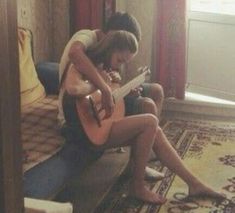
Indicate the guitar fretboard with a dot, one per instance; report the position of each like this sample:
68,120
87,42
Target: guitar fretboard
125,89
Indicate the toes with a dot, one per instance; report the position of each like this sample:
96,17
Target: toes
149,197
153,199
161,200
158,200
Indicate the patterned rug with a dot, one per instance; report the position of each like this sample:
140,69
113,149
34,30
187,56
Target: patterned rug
208,150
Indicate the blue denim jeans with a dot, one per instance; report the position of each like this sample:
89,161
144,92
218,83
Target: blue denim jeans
48,74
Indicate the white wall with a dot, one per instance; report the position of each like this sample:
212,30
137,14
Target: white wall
144,13
121,5
49,22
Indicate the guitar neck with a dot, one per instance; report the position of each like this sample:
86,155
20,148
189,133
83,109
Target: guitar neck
125,89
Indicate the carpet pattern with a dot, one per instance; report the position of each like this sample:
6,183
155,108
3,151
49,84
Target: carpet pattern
208,150
41,138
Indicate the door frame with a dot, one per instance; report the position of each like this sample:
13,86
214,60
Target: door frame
11,193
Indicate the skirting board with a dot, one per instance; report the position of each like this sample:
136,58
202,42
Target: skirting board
196,107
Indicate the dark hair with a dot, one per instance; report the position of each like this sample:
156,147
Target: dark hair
123,21
119,40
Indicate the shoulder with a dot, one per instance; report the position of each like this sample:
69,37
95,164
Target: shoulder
99,34
89,34
86,37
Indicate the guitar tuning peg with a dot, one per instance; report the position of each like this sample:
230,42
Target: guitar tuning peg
142,69
148,71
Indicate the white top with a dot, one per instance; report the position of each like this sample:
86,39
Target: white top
88,38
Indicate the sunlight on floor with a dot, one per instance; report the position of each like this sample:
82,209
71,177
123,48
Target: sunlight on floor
204,98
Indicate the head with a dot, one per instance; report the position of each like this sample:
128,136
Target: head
123,21
115,49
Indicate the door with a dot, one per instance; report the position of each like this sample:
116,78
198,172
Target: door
11,198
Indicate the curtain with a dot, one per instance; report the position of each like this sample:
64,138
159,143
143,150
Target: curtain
90,14
169,43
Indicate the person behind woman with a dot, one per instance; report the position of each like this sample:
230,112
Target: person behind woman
148,100
141,132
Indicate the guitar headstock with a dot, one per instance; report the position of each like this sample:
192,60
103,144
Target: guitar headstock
144,69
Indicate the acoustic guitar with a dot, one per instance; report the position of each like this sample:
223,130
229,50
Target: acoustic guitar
92,116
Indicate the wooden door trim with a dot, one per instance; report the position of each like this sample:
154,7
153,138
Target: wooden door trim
11,193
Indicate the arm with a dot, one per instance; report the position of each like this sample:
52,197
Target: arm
76,86
85,66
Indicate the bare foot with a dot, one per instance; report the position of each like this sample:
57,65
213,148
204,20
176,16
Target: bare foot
201,190
146,195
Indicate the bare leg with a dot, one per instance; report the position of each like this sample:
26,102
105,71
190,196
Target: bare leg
151,103
171,159
134,131
147,105
155,93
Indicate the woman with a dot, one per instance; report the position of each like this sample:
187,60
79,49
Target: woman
141,132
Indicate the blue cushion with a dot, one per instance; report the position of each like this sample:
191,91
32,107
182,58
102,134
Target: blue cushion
45,180
48,74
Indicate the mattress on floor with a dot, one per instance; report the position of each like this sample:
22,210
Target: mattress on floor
48,161
40,133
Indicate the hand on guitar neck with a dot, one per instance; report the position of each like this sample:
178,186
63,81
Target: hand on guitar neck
136,92
94,120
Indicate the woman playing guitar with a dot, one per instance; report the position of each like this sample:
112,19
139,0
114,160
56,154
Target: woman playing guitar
141,132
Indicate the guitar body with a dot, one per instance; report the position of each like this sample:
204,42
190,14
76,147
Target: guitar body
91,117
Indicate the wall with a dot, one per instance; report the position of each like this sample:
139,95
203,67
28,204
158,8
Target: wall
121,5
49,22
144,13
61,26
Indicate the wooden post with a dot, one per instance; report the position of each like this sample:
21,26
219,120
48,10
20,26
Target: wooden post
11,195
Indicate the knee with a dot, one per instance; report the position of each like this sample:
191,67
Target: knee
150,127
159,132
147,105
151,121
157,91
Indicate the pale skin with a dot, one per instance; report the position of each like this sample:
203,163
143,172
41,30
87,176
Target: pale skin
142,133
151,104
81,62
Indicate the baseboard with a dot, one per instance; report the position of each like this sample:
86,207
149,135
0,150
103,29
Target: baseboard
197,107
